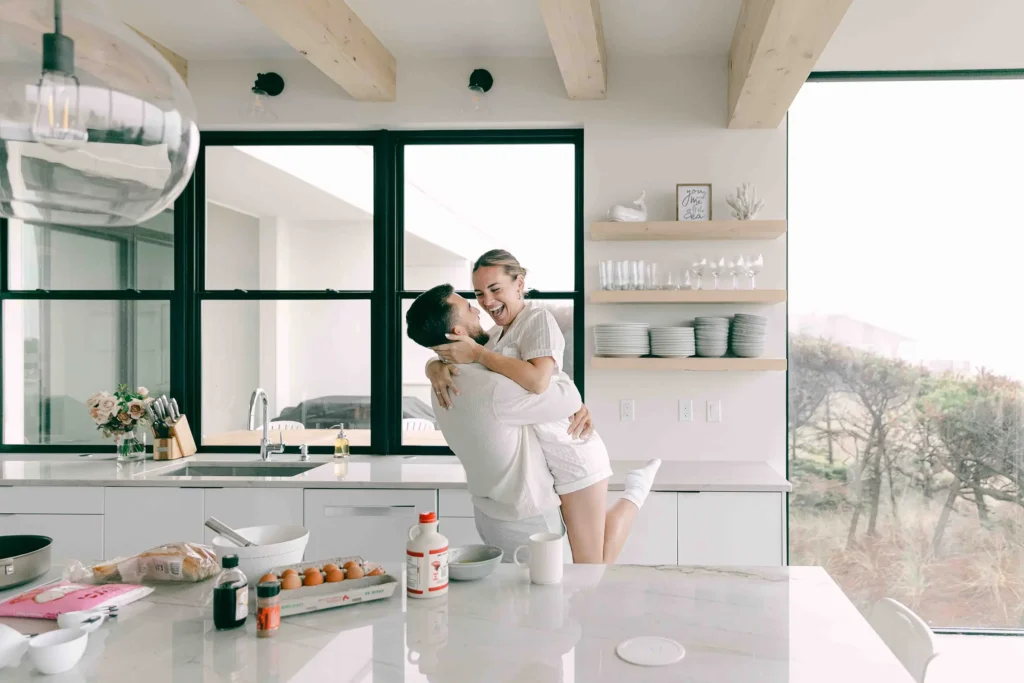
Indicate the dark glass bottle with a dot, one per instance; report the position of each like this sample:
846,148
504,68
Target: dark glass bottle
230,595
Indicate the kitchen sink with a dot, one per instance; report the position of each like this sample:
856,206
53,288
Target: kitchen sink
264,469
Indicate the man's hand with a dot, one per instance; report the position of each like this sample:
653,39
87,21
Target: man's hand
462,349
580,424
441,382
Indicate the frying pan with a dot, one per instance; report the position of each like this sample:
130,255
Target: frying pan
23,558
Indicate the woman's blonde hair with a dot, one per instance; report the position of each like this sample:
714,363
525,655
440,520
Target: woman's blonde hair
500,257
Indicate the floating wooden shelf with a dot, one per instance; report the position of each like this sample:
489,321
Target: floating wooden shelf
690,296
688,230
690,364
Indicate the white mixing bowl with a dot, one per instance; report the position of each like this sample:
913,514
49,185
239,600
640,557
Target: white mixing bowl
57,651
276,545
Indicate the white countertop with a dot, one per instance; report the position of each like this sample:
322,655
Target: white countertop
410,472
777,625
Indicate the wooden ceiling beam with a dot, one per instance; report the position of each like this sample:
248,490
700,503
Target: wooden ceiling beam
574,27
774,48
330,35
177,62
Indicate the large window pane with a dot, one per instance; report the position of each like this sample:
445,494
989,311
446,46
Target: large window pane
417,409
463,200
906,412
289,217
311,357
64,257
58,353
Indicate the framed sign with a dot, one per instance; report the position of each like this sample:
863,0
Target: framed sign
693,202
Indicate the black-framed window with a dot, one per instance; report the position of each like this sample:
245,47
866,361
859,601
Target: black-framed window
287,264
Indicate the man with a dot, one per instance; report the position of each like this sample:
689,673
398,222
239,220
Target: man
512,488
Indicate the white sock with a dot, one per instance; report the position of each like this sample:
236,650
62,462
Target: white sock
639,483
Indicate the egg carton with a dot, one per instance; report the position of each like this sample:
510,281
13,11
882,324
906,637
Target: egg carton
331,595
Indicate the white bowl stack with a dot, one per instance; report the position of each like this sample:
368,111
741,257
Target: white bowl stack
747,335
622,340
673,342
712,336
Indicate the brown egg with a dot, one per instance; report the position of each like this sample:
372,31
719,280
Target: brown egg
330,566
313,579
289,572
335,575
267,577
376,571
291,581
353,571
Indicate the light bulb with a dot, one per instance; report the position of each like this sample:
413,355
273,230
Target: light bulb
257,109
58,121
477,100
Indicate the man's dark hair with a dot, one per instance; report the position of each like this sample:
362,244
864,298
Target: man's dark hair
430,317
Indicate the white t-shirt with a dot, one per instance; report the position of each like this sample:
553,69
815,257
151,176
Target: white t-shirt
533,334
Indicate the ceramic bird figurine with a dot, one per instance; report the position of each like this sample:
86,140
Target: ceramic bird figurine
623,214
745,203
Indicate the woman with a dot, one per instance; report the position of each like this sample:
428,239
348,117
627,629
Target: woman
527,346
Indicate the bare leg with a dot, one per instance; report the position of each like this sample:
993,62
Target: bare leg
584,514
618,524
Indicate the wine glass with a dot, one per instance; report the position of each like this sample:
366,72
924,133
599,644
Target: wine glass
699,266
716,268
737,268
754,266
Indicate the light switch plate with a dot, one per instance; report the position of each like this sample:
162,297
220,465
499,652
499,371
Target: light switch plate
685,410
714,411
627,410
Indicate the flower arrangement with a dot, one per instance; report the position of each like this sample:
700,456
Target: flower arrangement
745,204
120,414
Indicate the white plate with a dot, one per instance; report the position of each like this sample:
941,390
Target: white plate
650,651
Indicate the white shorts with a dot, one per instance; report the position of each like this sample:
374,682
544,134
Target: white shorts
574,464
510,535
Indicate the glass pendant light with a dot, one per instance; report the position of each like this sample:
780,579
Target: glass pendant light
96,128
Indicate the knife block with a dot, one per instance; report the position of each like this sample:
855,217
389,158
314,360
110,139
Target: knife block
166,449
182,435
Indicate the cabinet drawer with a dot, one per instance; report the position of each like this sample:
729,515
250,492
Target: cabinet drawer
75,537
373,523
739,529
460,531
241,507
140,518
454,503
52,500
652,539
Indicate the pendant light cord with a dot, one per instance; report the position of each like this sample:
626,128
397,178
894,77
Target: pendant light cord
58,19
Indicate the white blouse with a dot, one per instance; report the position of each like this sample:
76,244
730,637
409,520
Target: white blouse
533,334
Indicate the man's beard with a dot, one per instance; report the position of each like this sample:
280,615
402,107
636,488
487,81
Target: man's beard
481,337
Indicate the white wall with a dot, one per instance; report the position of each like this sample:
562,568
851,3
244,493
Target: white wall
662,124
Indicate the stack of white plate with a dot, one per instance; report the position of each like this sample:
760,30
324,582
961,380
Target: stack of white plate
712,336
747,335
622,340
672,342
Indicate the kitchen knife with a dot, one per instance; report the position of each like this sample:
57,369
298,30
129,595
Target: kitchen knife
175,413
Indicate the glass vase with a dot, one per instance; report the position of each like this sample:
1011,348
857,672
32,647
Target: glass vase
130,447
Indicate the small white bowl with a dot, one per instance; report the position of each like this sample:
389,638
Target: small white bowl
12,646
58,651
73,619
278,545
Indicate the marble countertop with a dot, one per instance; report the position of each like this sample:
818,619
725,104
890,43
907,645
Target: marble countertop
771,625
411,472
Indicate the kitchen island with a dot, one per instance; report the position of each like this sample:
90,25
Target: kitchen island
775,625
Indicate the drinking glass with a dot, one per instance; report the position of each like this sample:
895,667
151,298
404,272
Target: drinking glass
636,275
737,268
621,275
607,273
716,268
651,276
754,266
699,266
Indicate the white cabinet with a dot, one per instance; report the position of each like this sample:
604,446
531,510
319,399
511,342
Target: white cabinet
137,518
653,537
52,500
459,531
241,507
373,523
731,529
75,537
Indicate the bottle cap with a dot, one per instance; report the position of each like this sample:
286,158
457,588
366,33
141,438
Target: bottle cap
229,561
268,589
427,517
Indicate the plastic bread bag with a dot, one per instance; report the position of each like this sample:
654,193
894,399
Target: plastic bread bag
184,562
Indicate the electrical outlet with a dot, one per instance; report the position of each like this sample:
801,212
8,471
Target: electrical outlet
714,411
685,410
627,410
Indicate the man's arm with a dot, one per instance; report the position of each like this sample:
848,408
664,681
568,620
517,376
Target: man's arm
517,406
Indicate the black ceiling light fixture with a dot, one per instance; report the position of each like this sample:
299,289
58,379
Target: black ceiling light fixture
480,83
267,85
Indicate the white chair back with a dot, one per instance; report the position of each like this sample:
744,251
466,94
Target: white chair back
906,634
283,425
416,424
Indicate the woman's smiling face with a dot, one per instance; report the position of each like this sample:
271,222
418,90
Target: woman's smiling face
498,293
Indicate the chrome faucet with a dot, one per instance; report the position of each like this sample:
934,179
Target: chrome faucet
267,448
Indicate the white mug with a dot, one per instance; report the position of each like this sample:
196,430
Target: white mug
545,558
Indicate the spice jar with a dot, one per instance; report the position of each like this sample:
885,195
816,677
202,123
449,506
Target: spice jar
268,609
